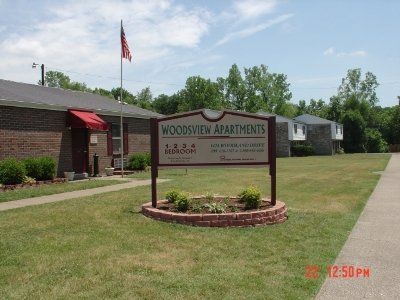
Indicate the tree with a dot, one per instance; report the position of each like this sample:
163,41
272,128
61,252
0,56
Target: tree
200,93
56,79
301,108
280,94
266,91
334,109
363,90
144,98
315,107
103,92
354,135
355,104
395,125
235,89
127,97
166,105
60,80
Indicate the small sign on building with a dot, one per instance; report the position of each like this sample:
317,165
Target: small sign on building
93,139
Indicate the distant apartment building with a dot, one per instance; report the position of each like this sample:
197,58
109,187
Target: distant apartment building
288,133
324,135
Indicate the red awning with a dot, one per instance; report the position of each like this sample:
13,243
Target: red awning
85,119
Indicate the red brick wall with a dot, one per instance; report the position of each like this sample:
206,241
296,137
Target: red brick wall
26,132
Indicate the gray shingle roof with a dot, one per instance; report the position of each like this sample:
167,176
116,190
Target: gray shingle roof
279,119
310,119
61,99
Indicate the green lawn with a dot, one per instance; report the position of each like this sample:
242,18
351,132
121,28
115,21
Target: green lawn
101,247
50,189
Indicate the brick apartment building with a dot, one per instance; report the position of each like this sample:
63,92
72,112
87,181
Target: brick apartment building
324,135
69,126
288,133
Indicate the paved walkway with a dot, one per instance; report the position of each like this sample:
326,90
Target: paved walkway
75,194
374,243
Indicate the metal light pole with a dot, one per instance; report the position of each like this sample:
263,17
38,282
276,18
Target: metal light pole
34,65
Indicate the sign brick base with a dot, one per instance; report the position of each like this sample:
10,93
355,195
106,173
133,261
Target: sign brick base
274,215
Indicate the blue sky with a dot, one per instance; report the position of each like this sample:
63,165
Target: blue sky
313,42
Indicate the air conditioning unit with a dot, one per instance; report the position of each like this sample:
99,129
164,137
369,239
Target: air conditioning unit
117,163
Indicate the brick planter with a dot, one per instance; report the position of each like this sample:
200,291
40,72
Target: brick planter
269,216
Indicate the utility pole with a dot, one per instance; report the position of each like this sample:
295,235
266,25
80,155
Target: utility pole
34,65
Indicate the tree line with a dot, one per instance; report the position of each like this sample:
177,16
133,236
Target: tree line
367,126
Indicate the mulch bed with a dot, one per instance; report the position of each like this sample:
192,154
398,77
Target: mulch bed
197,205
4,188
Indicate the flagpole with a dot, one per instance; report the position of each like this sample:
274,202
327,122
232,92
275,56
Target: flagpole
121,123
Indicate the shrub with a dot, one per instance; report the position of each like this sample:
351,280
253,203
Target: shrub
33,168
302,150
12,171
182,202
148,158
216,207
251,197
375,142
171,195
41,168
48,166
139,161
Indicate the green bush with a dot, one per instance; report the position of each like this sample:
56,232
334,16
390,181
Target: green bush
182,202
48,166
302,150
33,168
375,142
251,197
139,161
216,207
171,195
40,168
12,171
148,158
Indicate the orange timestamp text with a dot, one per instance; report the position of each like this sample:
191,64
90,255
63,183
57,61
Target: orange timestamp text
339,271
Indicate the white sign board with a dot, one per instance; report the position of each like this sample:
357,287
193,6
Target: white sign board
195,139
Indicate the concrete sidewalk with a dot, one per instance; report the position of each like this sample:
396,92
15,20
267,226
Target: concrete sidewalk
373,244
75,194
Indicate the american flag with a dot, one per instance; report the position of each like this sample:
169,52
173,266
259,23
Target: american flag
125,52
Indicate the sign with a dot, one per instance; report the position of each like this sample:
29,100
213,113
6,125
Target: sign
93,139
195,139
228,138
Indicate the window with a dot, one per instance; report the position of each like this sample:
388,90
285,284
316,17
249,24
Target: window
337,131
114,139
295,128
304,130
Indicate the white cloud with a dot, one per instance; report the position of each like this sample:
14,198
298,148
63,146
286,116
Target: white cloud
352,53
249,9
84,36
329,51
253,29
332,51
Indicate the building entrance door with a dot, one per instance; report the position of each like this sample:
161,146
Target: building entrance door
80,153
